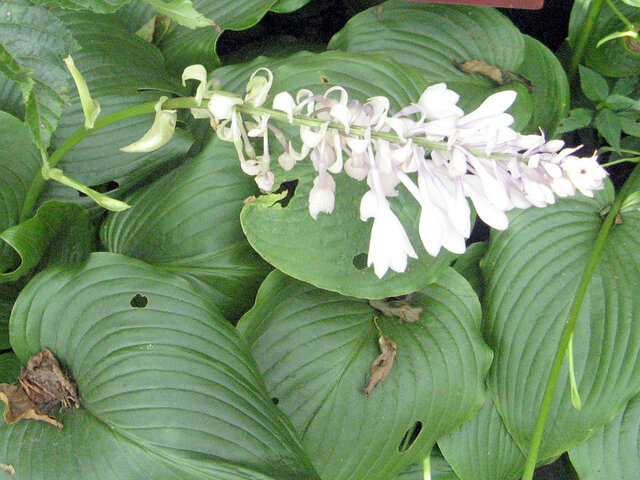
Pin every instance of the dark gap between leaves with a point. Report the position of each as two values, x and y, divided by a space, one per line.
103 187
360 261
290 188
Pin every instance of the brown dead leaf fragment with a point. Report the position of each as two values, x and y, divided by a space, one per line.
400 308
45 383
382 364
481 67
8 468
20 406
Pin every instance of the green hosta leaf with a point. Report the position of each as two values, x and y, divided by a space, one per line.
115 64
182 11
286 6
531 276
439 470
578 118
288 238
168 389
616 58
315 348
19 164
33 43
59 233
612 452
98 6
633 3
197 235
8 295
9 367
609 127
431 37
482 449
550 95
593 84
468 265
183 47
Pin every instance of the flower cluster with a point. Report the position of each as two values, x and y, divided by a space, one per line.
441 155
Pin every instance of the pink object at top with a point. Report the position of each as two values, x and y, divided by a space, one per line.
528 4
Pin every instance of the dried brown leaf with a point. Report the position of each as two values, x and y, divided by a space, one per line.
382 364
399 308
44 381
8 468
20 406
481 67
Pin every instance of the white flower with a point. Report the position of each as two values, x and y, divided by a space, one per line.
584 173
322 195
221 105
389 245
439 102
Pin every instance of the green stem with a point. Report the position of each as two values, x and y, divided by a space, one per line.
621 160
37 185
621 16
570 325
593 12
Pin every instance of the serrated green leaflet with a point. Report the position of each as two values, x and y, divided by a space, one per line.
60 231
19 163
288 238
115 64
315 348
34 42
482 449
612 452
167 387
183 47
532 272
432 37
188 223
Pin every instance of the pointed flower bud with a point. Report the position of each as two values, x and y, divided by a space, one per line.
160 132
90 107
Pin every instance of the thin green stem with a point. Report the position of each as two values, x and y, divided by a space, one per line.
621 15
570 325
591 17
35 189
621 160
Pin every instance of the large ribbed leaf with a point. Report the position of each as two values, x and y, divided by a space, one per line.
115 63
431 37
482 449
531 273
613 452
33 43
288 238
8 295
439 470
188 222
58 232
184 47
168 389
19 163
315 347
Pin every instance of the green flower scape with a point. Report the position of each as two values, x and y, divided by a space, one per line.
206 329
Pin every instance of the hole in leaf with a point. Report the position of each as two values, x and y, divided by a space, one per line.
275 400
360 261
290 188
410 436
139 301
103 187
325 79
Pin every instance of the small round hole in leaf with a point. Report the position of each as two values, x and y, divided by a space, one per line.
410 436
275 400
139 301
360 261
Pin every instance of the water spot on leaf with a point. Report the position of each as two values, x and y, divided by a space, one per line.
360 261
139 301
410 436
